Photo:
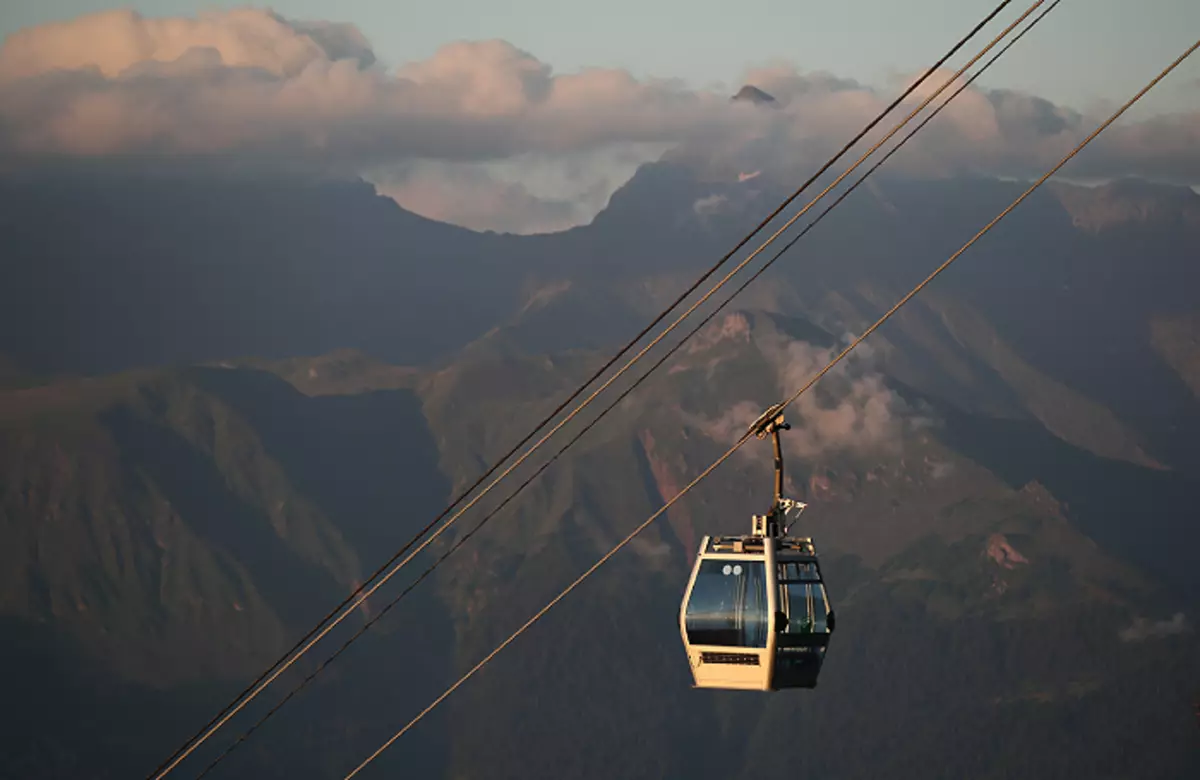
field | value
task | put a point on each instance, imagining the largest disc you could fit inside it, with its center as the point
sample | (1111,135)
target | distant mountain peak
(753,94)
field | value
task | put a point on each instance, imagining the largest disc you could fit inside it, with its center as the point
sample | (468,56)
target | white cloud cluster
(524,194)
(251,84)
(854,410)
(850,410)
(248,81)
(114,42)
(468,195)
(1143,629)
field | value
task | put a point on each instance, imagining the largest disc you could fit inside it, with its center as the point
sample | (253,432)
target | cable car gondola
(755,615)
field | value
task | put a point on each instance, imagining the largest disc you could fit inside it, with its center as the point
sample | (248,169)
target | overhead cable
(460,542)
(749,434)
(362,592)
(430,539)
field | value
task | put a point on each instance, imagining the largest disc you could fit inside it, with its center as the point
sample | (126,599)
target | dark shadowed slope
(168,534)
(116,271)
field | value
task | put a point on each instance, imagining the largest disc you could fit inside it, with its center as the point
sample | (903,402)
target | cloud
(1143,629)
(709,204)
(983,132)
(525,194)
(854,411)
(940,469)
(650,549)
(113,42)
(849,411)
(248,81)
(471,197)
(250,85)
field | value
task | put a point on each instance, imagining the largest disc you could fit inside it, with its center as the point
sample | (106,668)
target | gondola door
(727,619)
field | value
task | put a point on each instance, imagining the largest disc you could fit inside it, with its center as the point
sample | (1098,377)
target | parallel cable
(363,629)
(361,593)
(746,436)
(1004,33)
(891,152)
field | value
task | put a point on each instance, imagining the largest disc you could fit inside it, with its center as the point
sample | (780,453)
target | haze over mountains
(226,395)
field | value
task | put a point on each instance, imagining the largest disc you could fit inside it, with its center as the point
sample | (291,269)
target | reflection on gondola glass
(802,598)
(728,605)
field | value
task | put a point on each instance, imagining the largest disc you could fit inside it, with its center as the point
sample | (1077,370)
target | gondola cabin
(755,615)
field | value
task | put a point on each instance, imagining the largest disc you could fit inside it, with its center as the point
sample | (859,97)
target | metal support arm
(771,422)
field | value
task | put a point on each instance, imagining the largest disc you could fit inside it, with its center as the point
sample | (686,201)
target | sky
(1089,50)
(525,116)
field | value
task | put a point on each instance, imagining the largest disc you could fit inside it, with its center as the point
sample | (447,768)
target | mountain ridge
(1003,514)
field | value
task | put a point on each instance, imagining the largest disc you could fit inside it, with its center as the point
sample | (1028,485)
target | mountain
(169,537)
(934,546)
(1002,484)
(973,593)
(116,271)
(753,94)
